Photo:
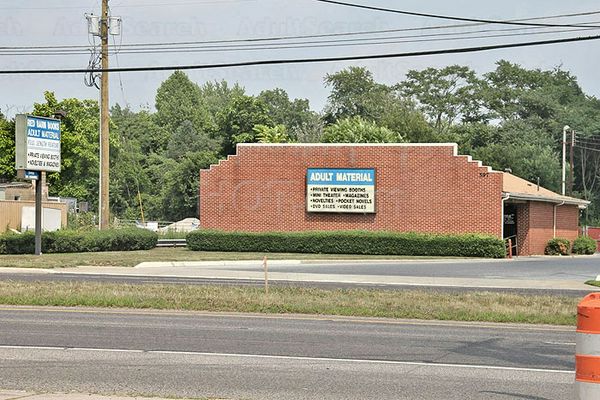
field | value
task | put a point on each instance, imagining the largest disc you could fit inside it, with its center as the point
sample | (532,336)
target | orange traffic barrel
(587,351)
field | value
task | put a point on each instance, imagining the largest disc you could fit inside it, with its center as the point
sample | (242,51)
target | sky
(62,22)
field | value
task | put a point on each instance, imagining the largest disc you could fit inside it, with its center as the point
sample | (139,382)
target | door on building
(510,225)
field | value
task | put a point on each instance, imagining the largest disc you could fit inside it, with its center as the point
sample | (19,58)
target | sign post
(37,148)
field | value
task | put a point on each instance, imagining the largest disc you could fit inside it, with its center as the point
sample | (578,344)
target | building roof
(519,189)
(15,185)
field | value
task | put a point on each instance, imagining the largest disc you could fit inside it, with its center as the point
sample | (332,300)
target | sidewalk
(16,394)
(253,270)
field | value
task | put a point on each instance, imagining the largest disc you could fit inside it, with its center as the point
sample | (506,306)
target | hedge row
(78,242)
(349,242)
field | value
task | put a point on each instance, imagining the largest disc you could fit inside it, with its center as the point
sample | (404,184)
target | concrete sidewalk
(253,270)
(16,394)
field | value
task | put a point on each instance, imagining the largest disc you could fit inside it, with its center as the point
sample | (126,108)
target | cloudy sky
(155,22)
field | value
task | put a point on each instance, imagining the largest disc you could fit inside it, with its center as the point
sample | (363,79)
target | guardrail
(171,243)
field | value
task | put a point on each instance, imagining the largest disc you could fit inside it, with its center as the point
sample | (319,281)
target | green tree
(7,149)
(276,134)
(181,185)
(310,131)
(283,111)
(354,92)
(236,122)
(178,99)
(140,127)
(79,147)
(359,130)
(218,95)
(513,92)
(445,95)
(187,139)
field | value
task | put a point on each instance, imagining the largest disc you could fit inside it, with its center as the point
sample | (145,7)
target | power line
(197,2)
(588,148)
(300,45)
(306,60)
(314,36)
(447,17)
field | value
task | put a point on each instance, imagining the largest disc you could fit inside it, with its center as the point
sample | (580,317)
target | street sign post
(37,149)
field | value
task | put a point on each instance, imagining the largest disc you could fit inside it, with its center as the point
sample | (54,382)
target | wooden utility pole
(104,122)
(571,162)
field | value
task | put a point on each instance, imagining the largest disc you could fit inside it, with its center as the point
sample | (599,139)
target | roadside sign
(28,175)
(37,143)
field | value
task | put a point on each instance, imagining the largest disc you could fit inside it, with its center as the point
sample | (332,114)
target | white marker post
(266,268)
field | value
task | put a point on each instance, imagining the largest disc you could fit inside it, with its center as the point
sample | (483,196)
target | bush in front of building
(349,242)
(69,241)
(584,245)
(557,247)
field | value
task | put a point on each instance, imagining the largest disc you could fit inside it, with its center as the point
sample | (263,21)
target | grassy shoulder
(132,258)
(471,306)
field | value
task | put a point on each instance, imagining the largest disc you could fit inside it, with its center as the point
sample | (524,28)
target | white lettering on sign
(42,145)
(340,190)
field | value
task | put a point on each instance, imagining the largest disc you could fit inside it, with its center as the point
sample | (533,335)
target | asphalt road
(274,357)
(171,280)
(557,268)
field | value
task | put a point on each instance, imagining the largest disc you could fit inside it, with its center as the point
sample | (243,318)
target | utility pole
(104,121)
(564,157)
(571,162)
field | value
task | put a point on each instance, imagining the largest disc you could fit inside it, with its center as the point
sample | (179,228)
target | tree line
(511,117)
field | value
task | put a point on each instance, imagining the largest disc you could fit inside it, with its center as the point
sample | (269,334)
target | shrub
(584,245)
(349,242)
(68,241)
(557,246)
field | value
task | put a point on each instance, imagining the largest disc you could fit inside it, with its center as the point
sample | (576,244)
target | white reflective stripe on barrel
(587,344)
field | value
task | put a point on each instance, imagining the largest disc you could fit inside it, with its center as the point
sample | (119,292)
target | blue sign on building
(340,190)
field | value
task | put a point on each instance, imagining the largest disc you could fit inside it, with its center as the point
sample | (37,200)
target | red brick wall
(537,225)
(423,188)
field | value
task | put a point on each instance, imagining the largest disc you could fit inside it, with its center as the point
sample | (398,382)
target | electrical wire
(459,50)
(588,148)
(298,45)
(447,17)
(296,37)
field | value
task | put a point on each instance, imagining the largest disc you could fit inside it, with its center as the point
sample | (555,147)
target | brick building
(415,187)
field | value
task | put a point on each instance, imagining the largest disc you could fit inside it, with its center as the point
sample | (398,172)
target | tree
(181,185)
(7,149)
(512,92)
(187,139)
(79,147)
(445,95)
(236,122)
(358,130)
(283,111)
(218,95)
(354,92)
(276,134)
(178,99)
(400,116)
(140,127)
(311,131)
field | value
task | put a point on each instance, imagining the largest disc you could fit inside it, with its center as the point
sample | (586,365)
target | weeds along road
(279,357)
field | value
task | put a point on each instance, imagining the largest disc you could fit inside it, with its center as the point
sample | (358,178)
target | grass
(131,258)
(470,306)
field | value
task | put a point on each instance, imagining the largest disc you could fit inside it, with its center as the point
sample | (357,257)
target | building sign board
(37,143)
(340,190)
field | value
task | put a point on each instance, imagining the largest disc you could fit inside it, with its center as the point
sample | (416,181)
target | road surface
(242,356)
